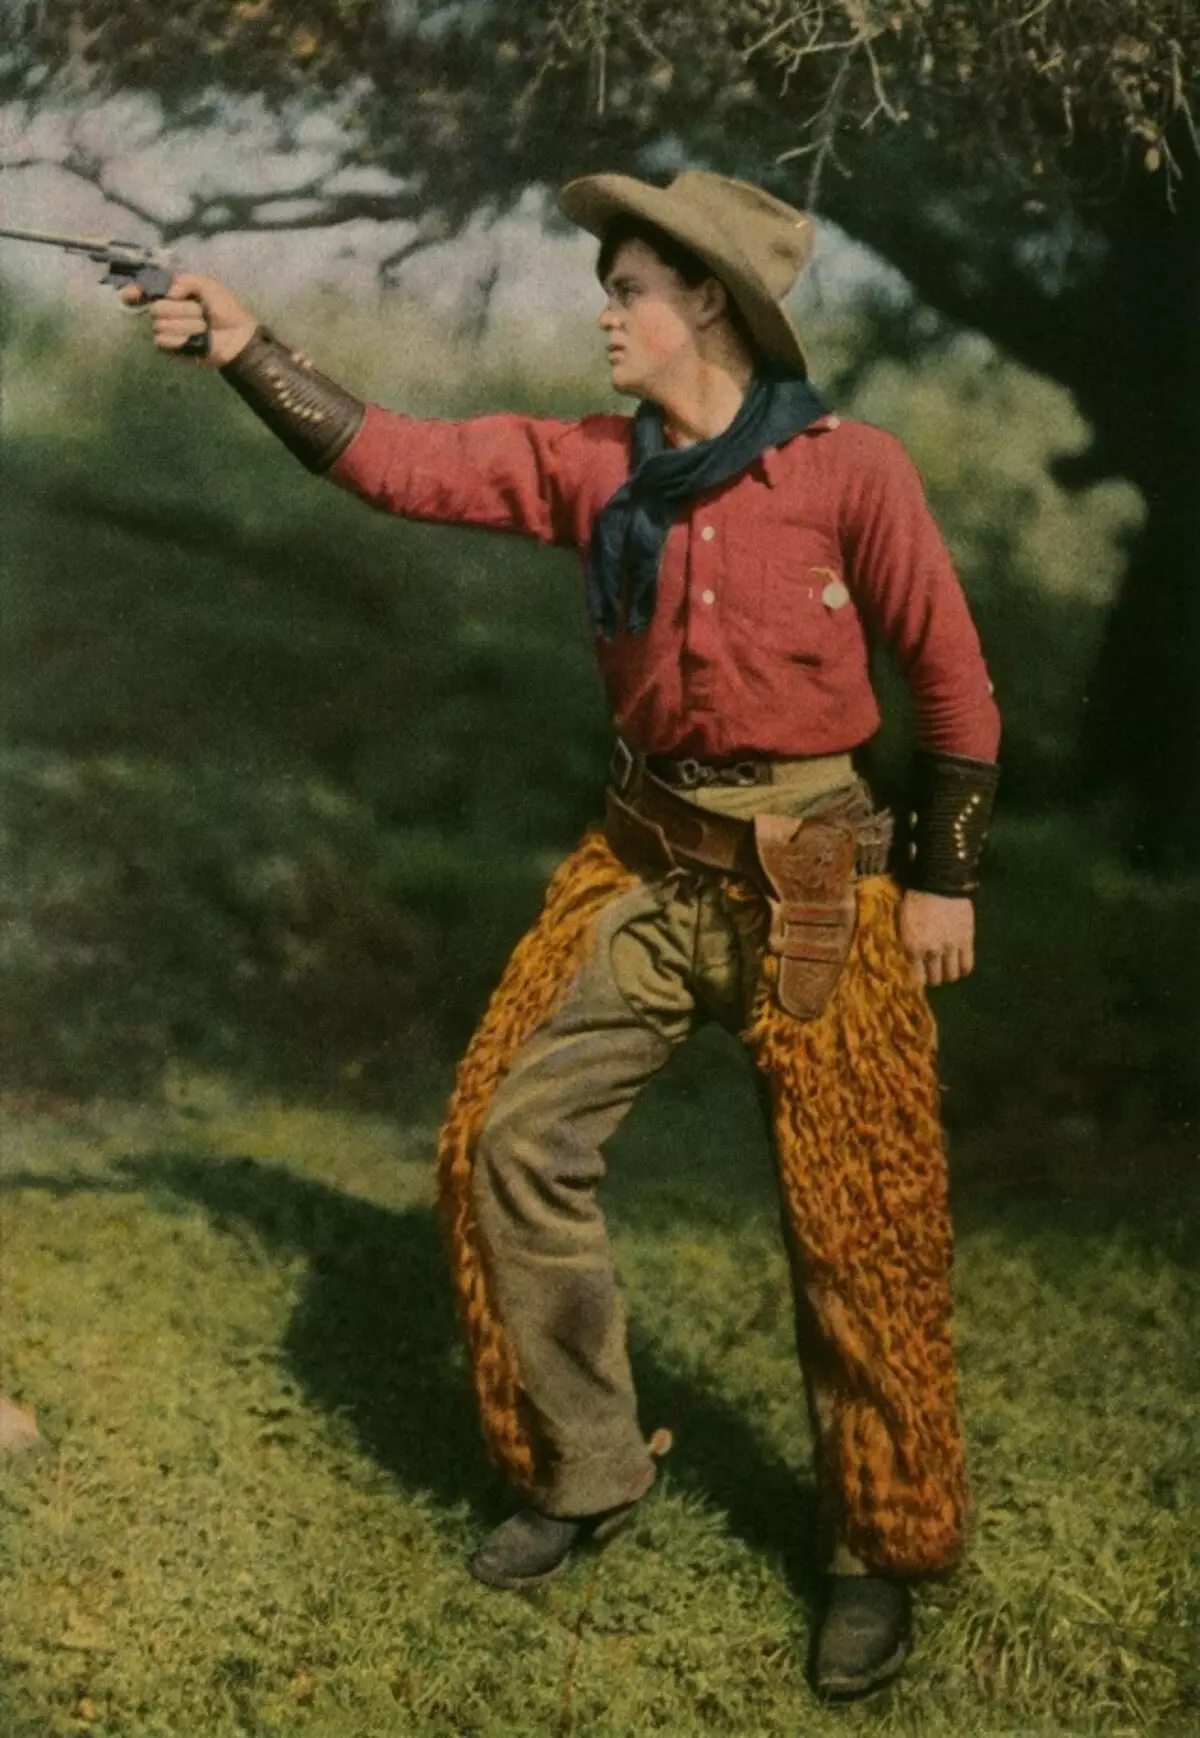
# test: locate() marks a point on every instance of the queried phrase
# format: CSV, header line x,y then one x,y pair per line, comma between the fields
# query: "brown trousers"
x,y
658,961
863,1179
654,968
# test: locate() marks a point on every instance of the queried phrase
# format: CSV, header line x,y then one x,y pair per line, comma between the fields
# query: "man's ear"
x,y
712,301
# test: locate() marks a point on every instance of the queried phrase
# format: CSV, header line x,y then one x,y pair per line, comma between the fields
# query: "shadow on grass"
x,y
373,1339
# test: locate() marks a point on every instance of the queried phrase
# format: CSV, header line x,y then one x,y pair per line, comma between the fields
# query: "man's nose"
x,y
606,316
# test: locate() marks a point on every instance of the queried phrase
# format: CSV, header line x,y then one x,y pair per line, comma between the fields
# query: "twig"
x,y
759,1317
89,168
821,149
776,31
223,213
1034,11
882,101
1179,97
388,269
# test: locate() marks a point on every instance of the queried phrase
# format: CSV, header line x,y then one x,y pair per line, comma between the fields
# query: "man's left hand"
x,y
938,934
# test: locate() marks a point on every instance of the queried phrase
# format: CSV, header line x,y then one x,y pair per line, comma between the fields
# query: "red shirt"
x,y
768,589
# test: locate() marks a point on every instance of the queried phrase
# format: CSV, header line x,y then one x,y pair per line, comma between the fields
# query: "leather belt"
x,y
653,831
685,772
803,866
690,774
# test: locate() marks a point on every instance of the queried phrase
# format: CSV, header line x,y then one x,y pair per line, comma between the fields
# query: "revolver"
x,y
127,262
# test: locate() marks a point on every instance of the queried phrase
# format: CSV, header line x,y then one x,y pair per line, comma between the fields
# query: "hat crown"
x,y
775,239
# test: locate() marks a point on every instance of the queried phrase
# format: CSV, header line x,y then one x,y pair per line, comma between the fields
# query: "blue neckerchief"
x,y
631,527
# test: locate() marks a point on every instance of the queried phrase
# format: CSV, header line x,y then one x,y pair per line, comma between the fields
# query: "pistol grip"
x,y
154,282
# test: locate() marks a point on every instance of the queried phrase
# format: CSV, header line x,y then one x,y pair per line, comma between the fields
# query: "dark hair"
x,y
690,267
681,259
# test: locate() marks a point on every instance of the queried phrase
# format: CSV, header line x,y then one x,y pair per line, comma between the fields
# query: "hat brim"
x,y
593,201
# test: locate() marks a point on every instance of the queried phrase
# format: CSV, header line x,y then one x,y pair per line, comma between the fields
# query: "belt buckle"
x,y
621,766
690,772
742,772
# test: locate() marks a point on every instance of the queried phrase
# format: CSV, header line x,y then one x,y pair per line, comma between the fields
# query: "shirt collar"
x,y
770,463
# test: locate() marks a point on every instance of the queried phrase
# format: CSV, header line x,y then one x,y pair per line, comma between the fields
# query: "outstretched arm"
x,y
534,475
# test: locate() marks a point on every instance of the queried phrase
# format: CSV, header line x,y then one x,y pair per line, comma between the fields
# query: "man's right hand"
x,y
197,304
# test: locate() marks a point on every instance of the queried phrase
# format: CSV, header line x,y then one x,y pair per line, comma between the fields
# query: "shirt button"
x,y
708,534
708,597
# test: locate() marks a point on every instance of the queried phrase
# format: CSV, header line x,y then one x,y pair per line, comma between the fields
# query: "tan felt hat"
x,y
756,245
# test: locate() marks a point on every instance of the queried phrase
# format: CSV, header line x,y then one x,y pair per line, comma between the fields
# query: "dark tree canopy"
x,y
1009,88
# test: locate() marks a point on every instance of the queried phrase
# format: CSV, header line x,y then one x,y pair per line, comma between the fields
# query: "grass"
x,y
263,1470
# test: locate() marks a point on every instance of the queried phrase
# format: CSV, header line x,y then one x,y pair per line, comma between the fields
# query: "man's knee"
x,y
529,1166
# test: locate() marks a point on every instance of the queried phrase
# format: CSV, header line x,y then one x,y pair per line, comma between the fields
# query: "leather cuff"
x,y
314,417
948,822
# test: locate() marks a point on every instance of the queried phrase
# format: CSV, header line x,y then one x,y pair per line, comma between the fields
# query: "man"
x,y
739,544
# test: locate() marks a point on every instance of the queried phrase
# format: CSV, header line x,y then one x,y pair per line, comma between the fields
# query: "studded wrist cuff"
x,y
314,417
948,822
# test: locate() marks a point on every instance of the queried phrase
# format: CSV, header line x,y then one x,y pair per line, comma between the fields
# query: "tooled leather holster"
x,y
809,869
804,867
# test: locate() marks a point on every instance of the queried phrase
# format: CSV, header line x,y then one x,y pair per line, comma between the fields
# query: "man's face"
x,y
649,322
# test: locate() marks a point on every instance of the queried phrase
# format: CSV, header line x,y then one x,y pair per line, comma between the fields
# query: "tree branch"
x,y
222,212
390,267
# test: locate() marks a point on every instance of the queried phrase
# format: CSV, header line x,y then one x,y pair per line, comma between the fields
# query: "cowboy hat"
x,y
755,244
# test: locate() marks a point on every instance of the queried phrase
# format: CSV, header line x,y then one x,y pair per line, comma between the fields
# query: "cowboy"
x,y
740,543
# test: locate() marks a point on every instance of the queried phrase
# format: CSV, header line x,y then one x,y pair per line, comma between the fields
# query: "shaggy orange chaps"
x,y
855,1108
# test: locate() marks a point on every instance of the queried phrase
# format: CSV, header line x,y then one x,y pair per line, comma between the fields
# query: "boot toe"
x,y
865,1636
525,1549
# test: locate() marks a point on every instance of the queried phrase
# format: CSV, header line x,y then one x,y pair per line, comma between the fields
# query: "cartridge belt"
x,y
653,830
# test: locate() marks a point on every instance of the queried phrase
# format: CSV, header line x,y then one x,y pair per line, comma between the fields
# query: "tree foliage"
x,y
467,101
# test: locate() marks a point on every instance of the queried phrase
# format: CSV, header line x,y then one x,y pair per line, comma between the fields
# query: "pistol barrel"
x,y
77,243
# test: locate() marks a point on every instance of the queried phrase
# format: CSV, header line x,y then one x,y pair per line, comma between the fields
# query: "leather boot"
x,y
865,1635
530,1547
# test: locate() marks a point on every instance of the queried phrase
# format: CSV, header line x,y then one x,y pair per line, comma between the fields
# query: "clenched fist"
x,y
195,304
938,934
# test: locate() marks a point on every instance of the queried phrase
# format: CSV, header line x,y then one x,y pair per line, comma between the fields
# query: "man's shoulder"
x,y
843,453
847,439
600,431
591,455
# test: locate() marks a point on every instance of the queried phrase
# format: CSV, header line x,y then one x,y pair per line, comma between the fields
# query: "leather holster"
x,y
808,866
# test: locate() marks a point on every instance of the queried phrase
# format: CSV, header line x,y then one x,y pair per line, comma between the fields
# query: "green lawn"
x,y
263,1472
